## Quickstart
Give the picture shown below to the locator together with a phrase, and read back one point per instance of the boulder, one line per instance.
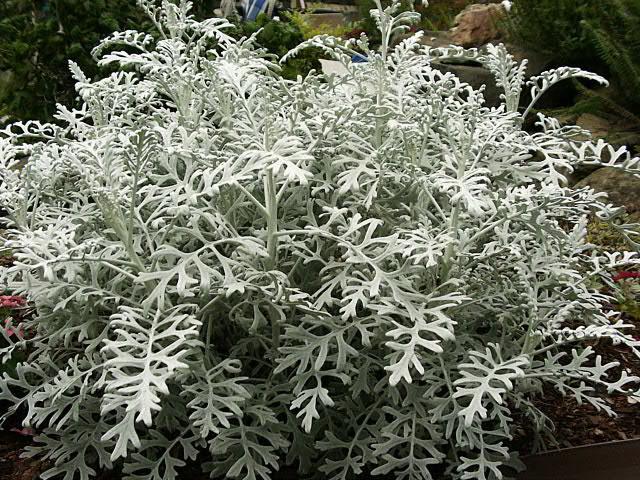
(476, 76)
(617, 131)
(622, 188)
(477, 24)
(598, 126)
(436, 39)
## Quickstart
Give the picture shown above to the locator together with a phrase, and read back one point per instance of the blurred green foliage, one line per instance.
(628, 296)
(278, 37)
(38, 37)
(554, 27)
(599, 35)
(368, 23)
(615, 36)
(308, 30)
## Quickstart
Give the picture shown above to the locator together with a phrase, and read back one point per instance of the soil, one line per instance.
(581, 424)
(12, 467)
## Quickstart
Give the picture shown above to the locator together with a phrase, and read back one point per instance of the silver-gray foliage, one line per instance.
(367, 273)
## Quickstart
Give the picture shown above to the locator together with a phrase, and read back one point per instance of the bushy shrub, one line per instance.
(371, 273)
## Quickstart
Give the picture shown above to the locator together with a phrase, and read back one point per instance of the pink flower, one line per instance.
(11, 331)
(625, 275)
(11, 301)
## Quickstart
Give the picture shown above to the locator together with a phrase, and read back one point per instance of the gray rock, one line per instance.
(436, 38)
(622, 188)
(476, 76)
(537, 62)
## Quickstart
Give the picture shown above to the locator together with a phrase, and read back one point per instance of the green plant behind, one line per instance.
(615, 37)
(554, 26)
(600, 35)
(278, 37)
(38, 38)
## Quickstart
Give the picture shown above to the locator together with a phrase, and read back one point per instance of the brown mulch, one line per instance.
(574, 424)
(12, 467)
(582, 425)
(6, 261)
(577, 425)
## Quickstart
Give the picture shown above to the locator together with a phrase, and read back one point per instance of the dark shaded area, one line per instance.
(615, 461)
(12, 467)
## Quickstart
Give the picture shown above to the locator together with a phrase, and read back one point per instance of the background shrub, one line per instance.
(37, 39)
(555, 27)
(602, 36)
(278, 37)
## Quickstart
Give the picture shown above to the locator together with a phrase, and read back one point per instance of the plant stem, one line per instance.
(271, 204)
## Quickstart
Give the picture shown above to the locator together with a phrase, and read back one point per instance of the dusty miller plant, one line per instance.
(367, 274)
